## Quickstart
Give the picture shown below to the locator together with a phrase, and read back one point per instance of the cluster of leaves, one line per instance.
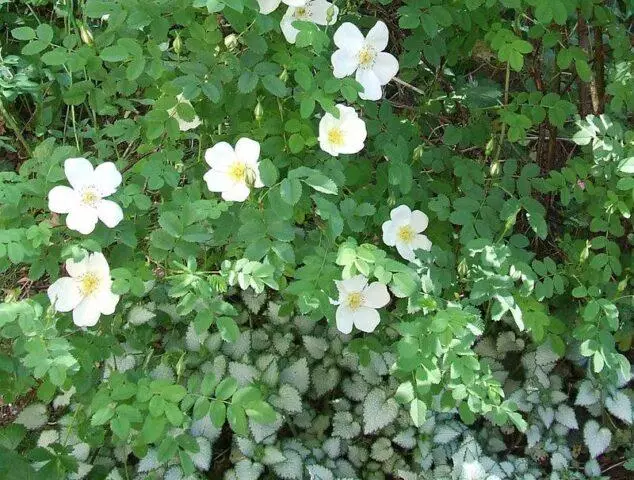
(508, 126)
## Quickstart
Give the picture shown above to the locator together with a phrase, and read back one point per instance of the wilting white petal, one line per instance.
(64, 294)
(319, 12)
(82, 219)
(366, 319)
(77, 269)
(378, 36)
(107, 178)
(220, 156)
(286, 24)
(247, 150)
(109, 213)
(385, 67)
(348, 37)
(344, 63)
(268, 6)
(107, 301)
(238, 193)
(421, 242)
(79, 172)
(401, 214)
(217, 181)
(343, 318)
(371, 84)
(354, 284)
(389, 233)
(419, 221)
(61, 199)
(96, 262)
(87, 313)
(405, 251)
(376, 295)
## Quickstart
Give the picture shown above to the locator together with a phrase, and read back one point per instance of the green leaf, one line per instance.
(247, 81)
(260, 411)
(114, 53)
(228, 328)
(417, 412)
(291, 190)
(274, 85)
(237, 419)
(268, 172)
(23, 33)
(226, 388)
(171, 224)
(153, 429)
(218, 412)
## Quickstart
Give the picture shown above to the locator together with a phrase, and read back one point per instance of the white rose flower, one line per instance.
(268, 6)
(404, 230)
(84, 202)
(233, 171)
(373, 66)
(184, 125)
(358, 302)
(345, 134)
(315, 11)
(86, 292)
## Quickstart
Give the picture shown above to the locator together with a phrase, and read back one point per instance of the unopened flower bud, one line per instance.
(330, 13)
(178, 44)
(258, 111)
(494, 170)
(85, 34)
(418, 152)
(284, 75)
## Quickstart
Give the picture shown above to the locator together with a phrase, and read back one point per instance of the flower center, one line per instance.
(405, 234)
(238, 172)
(90, 197)
(335, 136)
(366, 57)
(89, 283)
(354, 300)
(301, 12)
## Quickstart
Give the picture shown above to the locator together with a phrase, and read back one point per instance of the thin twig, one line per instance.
(405, 84)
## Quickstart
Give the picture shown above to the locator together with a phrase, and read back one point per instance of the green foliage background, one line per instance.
(509, 125)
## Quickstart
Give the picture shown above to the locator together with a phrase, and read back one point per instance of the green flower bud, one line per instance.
(284, 75)
(258, 111)
(85, 34)
(178, 44)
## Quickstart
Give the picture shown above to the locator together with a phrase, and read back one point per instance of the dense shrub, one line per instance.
(371, 240)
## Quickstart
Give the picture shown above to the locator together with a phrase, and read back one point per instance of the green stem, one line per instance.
(12, 124)
(507, 79)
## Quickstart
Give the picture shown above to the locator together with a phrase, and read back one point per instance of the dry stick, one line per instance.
(14, 126)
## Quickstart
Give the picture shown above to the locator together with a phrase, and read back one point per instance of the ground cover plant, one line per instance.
(323, 240)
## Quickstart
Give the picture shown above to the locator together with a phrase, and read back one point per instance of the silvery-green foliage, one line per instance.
(33, 417)
(297, 375)
(597, 439)
(620, 405)
(378, 411)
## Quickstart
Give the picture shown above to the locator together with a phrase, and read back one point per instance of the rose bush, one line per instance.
(335, 240)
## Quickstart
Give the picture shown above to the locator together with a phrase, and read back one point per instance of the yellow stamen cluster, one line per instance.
(335, 136)
(354, 300)
(237, 172)
(89, 283)
(406, 234)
